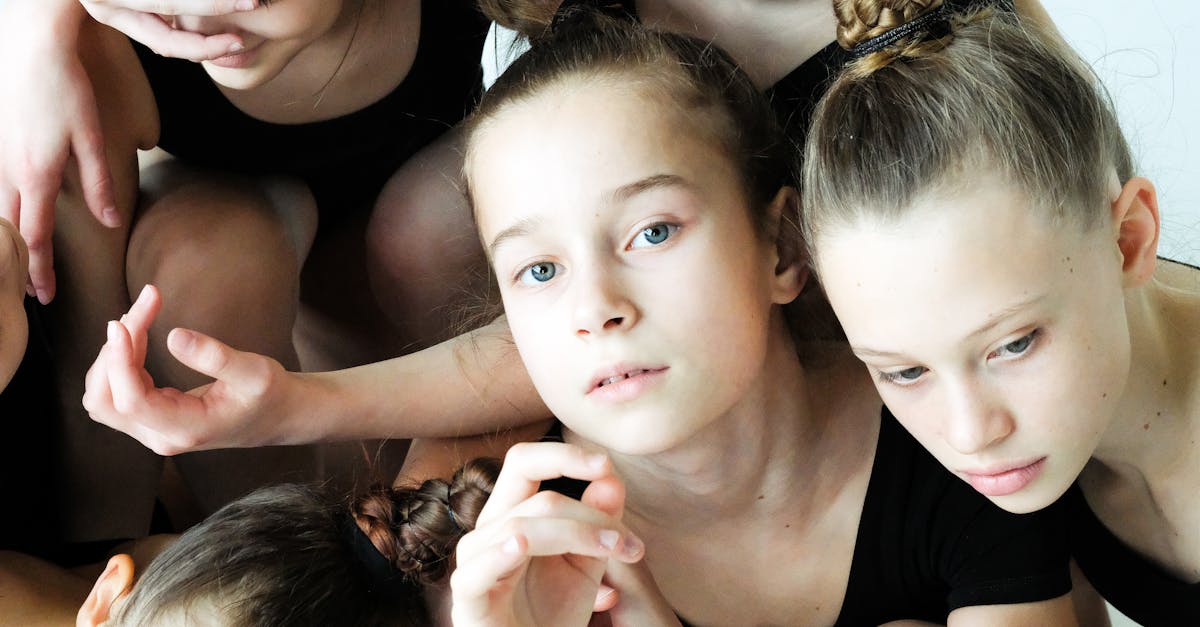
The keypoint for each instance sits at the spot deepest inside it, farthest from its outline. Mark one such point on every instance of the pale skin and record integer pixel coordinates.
(743, 29)
(14, 327)
(1105, 390)
(724, 413)
(264, 224)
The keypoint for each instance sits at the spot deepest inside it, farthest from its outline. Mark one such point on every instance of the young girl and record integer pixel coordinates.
(975, 220)
(630, 189)
(283, 555)
(258, 224)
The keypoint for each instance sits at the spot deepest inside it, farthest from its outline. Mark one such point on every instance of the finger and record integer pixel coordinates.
(157, 35)
(240, 370)
(528, 464)
(128, 387)
(97, 395)
(607, 495)
(94, 176)
(180, 7)
(139, 318)
(477, 581)
(606, 598)
(37, 227)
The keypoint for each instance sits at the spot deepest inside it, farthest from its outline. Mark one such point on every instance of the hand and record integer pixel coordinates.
(635, 600)
(536, 558)
(47, 114)
(142, 20)
(241, 408)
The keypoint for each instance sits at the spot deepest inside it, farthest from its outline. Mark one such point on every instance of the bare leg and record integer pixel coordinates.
(98, 498)
(426, 264)
(225, 252)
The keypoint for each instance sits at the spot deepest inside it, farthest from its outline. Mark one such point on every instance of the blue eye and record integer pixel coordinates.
(1016, 347)
(903, 377)
(654, 235)
(539, 272)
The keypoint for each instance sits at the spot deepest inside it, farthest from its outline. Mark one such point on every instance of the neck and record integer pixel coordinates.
(1158, 418)
(768, 39)
(746, 462)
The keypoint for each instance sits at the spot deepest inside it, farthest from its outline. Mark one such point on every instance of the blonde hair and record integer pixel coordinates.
(981, 94)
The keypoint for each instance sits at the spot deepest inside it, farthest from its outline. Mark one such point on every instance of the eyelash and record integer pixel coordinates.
(520, 277)
(895, 377)
(672, 229)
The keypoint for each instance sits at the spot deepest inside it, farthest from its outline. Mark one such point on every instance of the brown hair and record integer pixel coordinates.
(990, 96)
(279, 556)
(697, 77)
(417, 528)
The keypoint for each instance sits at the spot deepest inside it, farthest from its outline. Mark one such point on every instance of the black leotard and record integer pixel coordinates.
(345, 160)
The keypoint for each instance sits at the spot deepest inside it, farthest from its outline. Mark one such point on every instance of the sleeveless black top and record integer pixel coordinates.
(344, 160)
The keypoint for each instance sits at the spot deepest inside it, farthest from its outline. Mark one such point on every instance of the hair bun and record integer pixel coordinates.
(878, 32)
(417, 528)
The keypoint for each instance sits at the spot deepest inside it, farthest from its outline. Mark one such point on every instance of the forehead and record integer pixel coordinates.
(947, 264)
(573, 143)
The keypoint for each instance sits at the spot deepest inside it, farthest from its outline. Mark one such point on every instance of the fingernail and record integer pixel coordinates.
(244, 5)
(609, 538)
(43, 297)
(29, 291)
(597, 460)
(111, 217)
(145, 290)
(111, 330)
(511, 546)
(633, 547)
(236, 46)
(181, 340)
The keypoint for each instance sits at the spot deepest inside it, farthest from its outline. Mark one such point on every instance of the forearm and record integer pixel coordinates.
(472, 384)
(57, 20)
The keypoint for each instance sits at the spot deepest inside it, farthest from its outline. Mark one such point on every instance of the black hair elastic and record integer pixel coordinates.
(935, 23)
(382, 576)
(571, 10)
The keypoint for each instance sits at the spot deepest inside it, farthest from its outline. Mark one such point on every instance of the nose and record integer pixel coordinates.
(601, 304)
(978, 418)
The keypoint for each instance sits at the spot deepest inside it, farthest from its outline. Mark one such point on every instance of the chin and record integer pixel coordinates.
(236, 79)
(1031, 499)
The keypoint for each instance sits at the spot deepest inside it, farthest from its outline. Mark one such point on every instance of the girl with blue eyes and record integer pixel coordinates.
(630, 188)
(1003, 290)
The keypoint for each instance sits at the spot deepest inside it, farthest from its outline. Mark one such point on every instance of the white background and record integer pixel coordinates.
(1148, 54)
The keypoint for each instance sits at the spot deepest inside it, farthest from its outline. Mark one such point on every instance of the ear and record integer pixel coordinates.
(1135, 219)
(114, 583)
(790, 262)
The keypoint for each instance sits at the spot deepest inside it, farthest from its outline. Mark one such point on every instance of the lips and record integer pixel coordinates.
(236, 60)
(623, 382)
(1004, 480)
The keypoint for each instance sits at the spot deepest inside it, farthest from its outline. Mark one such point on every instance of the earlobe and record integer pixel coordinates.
(114, 583)
(791, 266)
(1136, 221)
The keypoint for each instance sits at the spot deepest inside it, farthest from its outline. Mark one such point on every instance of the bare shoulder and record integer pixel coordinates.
(36, 592)
(1178, 276)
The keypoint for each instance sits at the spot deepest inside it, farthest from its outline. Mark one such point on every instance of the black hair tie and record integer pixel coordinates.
(935, 23)
(382, 576)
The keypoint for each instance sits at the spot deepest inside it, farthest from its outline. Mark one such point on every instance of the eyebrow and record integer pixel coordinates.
(622, 194)
(991, 322)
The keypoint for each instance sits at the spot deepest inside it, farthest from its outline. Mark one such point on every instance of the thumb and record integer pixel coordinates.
(207, 355)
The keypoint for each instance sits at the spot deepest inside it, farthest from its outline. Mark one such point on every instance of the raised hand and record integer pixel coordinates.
(240, 408)
(47, 116)
(536, 558)
(149, 22)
